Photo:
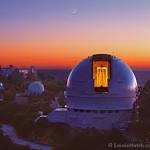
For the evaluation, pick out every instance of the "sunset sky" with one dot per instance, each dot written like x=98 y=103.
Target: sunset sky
x=59 y=33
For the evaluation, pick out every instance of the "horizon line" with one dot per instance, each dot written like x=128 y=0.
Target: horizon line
x=63 y=67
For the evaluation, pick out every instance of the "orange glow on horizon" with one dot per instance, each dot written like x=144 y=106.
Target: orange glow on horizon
x=66 y=53
x=58 y=60
x=48 y=34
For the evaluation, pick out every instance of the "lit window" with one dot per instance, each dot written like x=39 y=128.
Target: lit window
x=101 y=75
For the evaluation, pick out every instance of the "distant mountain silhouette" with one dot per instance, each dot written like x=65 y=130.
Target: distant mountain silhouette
x=142 y=75
x=62 y=74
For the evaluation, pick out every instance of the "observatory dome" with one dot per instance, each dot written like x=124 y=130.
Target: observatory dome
x=100 y=93
x=99 y=79
x=35 y=88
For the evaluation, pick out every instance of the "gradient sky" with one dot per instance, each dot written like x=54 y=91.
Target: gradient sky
x=59 y=33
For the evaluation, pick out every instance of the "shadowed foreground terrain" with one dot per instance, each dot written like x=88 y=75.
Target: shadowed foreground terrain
x=63 y=137
x=6 y=144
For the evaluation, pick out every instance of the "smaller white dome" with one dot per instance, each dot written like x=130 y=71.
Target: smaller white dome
x=35 y=88
x=1 y=86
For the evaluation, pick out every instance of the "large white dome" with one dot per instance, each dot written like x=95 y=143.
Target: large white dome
x=120 y=83
x=100 y=93
x=35 y=88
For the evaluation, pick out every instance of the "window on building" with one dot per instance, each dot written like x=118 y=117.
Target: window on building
x=101 y=75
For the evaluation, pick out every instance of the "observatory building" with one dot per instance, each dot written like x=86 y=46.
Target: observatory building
x=35 y=88
x=100 y=93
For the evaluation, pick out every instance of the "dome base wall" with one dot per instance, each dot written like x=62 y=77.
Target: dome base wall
x=103 y=120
